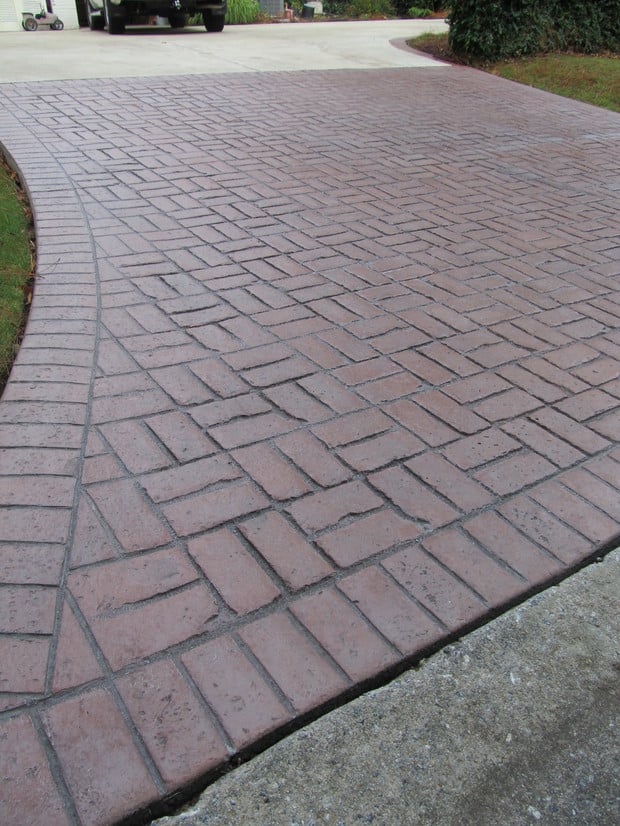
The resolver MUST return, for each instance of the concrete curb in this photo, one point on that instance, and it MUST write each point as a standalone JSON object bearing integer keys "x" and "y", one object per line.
{"x": 514, "y": 724}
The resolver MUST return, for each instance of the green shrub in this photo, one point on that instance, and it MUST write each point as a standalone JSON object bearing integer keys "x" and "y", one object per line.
{"x": 242, "y": 11}
{"x": 403, "y": 7}
{"x": 370, "y": 8}
{"x": 335, "y": 8}
{"x": 496, "y": 29}
{"x": 414, "y": 11}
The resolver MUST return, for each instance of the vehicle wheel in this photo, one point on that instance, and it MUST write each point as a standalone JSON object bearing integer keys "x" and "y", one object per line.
{"x": 213, "y": 21}
{"x": 96, "y": 22}
{"x": 177, "y": 20}
{"x": 30, "y": 24}
{"x": 115, "y": 17}
{"x": 57, "y": 25}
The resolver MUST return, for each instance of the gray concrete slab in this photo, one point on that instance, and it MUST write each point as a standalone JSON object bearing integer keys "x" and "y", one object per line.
{"x": 517, "y": 723}
{"x": 269, "y": 47}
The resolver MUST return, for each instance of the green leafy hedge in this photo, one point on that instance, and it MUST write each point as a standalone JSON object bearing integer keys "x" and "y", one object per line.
{"x": 369, "y": 8}
{"x": 496, "y": 29}
{"x": 416, "y": 11}
{"x": 403, "y": 7}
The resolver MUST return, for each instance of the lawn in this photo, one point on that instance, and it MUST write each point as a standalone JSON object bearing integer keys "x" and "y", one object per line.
{"x": 591, "y": 78}
{"x": 16, "y": 267}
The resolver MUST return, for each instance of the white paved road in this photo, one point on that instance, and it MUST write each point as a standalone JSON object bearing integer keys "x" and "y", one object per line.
{"x": 147, "y": 52}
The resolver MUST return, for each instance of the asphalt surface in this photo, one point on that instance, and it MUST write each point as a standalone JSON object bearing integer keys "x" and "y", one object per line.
{"x": 321, "y": 373}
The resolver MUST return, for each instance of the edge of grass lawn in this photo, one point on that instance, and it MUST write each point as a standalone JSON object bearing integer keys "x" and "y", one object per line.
{"x": 17, "y": 264}
{"x": 569, "y": 74}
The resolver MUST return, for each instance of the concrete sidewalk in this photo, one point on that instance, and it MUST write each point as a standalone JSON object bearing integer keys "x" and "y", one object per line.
{"x": 516, "y": 724}
{"x": 319, "y": 375}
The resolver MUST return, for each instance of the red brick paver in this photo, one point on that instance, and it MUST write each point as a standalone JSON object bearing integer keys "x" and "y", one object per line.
{"x": 306, "y": 389}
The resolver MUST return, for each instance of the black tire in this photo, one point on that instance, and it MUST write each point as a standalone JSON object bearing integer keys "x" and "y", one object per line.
{"x": 58, "y": 26}
{"x": 214, "y": 21}
{"x": 30, "y": 24}
{"x": 115, "y": 17}
{"x": 177, "y": 20}
{"x": 96, "y": 22}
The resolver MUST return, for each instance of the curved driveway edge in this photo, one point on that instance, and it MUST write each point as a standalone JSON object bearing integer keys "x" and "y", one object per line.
{"x": 356, "y": 390}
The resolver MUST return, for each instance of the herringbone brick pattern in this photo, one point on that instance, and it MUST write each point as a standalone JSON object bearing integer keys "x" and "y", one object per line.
{"x": 319, "y": 372}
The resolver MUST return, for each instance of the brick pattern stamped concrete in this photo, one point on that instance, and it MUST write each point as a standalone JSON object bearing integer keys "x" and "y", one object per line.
{"x": 320, "y": 372}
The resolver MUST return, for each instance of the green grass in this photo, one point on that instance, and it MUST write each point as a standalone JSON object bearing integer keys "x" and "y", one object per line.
{"x": 16, "y": 268}
{"x": 589, "y": 78}
{"x": 435, "y": 45}
{"x": 242, "y": 12}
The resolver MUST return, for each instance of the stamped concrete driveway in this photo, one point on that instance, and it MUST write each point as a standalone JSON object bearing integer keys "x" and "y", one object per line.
{"x": 321, "y": 371}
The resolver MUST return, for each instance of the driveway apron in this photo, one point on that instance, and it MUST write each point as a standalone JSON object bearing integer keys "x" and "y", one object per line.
{"x": 322, "y": 370}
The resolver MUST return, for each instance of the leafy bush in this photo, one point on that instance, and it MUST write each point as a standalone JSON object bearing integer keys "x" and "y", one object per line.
{"x": 242, "y": 11}
{"x": 496, "y": 29}
{"x": 369, "y": 8}
{"x": 414, "y": 11}
{"x": 403, "y": 7}
{"x": 335, "y": 8}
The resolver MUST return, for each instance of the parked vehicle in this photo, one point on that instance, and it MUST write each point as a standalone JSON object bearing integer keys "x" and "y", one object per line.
{"x": 31, "y": 22}
{"x": 116, "y": 14}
